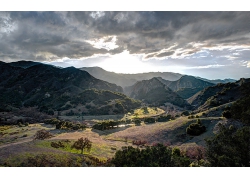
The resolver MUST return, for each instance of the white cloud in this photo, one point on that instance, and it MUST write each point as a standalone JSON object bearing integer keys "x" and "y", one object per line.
{"x": 103, "y": 43}
{"x": 97, "y": 14}
{"x": 205, "y": 67}
{"x": 248, "y": 64}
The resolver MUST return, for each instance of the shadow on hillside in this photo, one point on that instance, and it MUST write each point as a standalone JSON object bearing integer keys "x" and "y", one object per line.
{"x": 110, "y": 131}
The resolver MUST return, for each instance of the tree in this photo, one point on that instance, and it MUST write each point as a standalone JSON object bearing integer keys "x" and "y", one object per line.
{"x": 157, "y": 155}
{"x": 230, "y": 147}
{"x": 82, "y": 144}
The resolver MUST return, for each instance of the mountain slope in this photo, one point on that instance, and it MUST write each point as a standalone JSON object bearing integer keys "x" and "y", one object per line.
{"x": 186, "y": 86}
{"x": 48, "y": 87}
{"x": 218, "y": 94}
{"x": 155, "y": 92}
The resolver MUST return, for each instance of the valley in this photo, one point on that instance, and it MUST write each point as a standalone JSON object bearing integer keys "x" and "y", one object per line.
{"x": 46, "y": 110}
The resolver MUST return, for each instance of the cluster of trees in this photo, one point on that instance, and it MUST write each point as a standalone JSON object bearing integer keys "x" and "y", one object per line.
{"x": 195, "y": 129}
{"x": 229, "y": 148}
{"x": 111, "y": 124}
{"x": 152, "y": 156}
{"x": 67, "y": 125}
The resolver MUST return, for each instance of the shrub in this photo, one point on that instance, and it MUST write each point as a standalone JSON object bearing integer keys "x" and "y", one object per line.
{"x": 195, "y": 129}
{"x": 57, "y": 145}
{"x": 164, "y": 118}
{"x": 185, "y": 113}
{"x": 137, "y": 122}
{"x": 43, "y": 134}
{"x": 227, "y": 114}
{"x": 149, "y": 120}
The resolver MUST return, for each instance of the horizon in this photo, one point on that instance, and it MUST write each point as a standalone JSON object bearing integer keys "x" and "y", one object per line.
{"x": 211, "y": 45}
{"x": 122, "y": 73}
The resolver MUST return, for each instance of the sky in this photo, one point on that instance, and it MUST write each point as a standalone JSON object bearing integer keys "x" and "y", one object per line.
{"x": 209, "y": 44}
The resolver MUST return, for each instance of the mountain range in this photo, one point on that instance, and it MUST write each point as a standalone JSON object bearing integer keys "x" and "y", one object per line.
{"x": 75, "y": 91}
{"x": 51, "y": 88}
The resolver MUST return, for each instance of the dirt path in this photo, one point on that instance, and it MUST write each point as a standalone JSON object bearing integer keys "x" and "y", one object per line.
{"x": 15, "y": 143}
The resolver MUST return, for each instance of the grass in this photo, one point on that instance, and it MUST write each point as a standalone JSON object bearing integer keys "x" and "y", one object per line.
{"x": 99, "y": 150}
{"x": 3, "y": 128}
{"x": 151, "y": 112}
{"x": 44, "y": 160}
{"x": 12, "y": 134}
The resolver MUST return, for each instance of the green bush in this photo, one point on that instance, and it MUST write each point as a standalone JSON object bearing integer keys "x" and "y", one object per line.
{"x": 195, "y": 129}
{"x": 227, "y": 114}
{"x": 185, "y": 113}
{"x": 164, "y": 118}
{"x": 149, "y": 120}
{"x": 137, "y": 122}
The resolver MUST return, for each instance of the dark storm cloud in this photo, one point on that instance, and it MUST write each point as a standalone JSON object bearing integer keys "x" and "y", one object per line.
{"x": 54, "y": 35}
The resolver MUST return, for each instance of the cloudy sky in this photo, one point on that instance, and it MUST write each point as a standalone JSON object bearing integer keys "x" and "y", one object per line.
{"x": 208, "y": 44}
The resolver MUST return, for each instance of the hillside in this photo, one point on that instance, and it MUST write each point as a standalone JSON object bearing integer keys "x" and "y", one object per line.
{"x": 218, "y": 94}
{"x": 155, "y": 92}
{"x": 128, "y": 79}
{"x": 53, "y": 89}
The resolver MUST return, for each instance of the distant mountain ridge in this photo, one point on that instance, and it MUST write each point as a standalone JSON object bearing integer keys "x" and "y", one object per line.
{"x": 186, "y": 86}
{"x": 154, "y": 92}
{"x": 124, "y": 80}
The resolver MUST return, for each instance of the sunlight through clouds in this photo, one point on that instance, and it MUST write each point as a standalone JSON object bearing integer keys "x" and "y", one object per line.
{"x": 108, "y": 43}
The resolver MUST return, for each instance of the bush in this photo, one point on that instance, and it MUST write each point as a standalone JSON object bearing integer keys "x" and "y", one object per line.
{"x": 137, "y": 122}
{"x": 185, "y": 113}
{"x": 149, "y": 120}
{"x": 43, "y": 134}
{"x": 157, "y": 155}
{"x": 164, "y": 118}
{"x": 57, "y": 144}
{"x": 195, "y": 129}
{"x": 227, "y": 114}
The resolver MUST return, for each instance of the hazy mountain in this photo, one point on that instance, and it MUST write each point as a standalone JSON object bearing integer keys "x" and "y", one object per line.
{"x": 186, "y": 86}
{"x": 49, "y": 87}
{"x": 128, "y": 79}
{"x": 119, "y": 79}
{"x": 217, "y": 81}
{"x": 155, "y": 92}
{"x": 218, "y": 94}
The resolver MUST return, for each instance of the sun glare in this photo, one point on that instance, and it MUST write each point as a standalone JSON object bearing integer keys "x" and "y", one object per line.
{"x": 125, "y": 63}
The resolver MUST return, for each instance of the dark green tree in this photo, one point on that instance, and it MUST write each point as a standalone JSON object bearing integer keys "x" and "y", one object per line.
{"x": 82, "y": 144}
{"x": 229, "y": 148}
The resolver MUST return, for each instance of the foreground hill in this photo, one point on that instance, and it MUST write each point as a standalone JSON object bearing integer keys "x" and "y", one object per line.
{"x": 154, "y": 92}
{"x": 54, "y": 89}
{"x": 218, "y": 94}
{"x": 128, "y": 79}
